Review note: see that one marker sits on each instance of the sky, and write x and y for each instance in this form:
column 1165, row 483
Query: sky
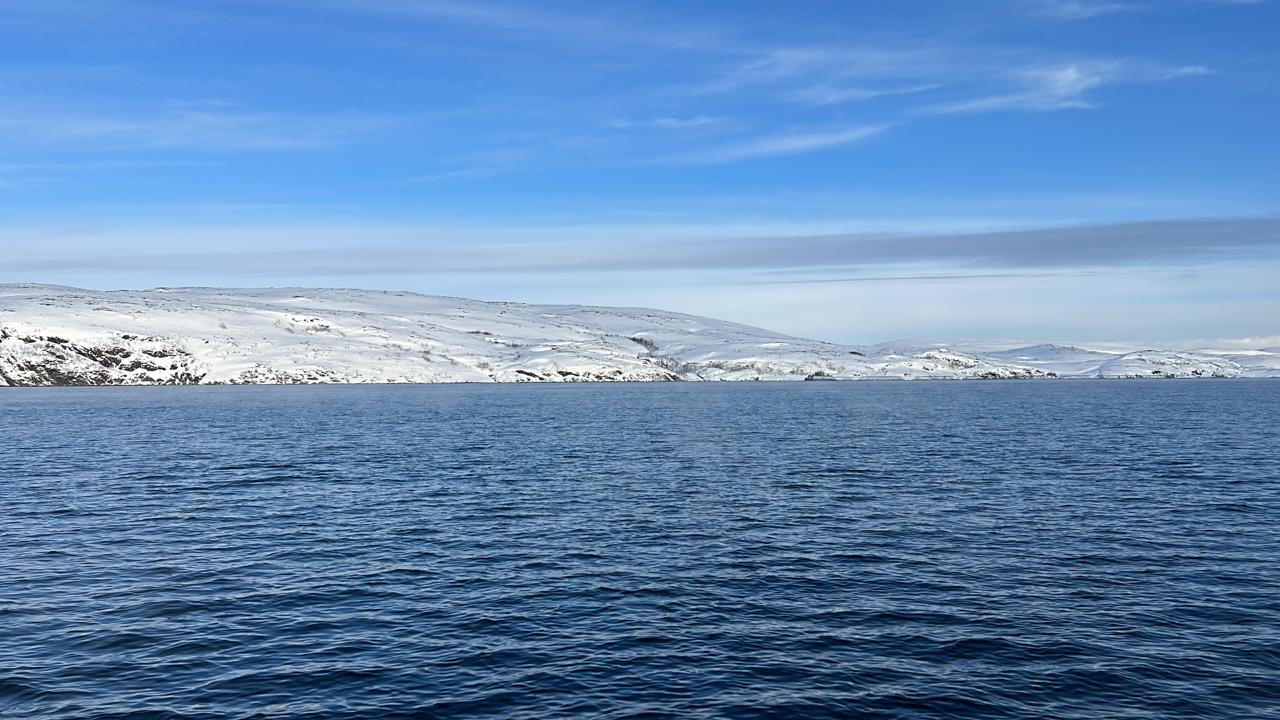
column 850, row 171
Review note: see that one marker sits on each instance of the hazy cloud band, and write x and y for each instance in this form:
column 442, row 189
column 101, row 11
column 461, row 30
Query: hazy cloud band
column 1161, row 243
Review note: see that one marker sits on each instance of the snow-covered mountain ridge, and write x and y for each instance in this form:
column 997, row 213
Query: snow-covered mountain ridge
column 51, row 335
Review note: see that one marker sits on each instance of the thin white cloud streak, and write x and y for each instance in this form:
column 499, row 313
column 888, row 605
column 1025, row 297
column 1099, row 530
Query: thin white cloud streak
column 665, row 123
column 827, row 95
column 597, row 30
column 851, row 62
column 1078, row 9
column 101, row 165
column 187, row 128
column 1070, row 10
column 778, row 145
column 1067, row 86
column 807, row 73
column 999, row 80
column 29, row 174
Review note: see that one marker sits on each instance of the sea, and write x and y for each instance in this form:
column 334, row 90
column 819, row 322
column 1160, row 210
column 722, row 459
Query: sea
column 923, row 549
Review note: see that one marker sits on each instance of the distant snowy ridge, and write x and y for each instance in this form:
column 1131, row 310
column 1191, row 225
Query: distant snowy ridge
column 52, row 335
column 1066, row 361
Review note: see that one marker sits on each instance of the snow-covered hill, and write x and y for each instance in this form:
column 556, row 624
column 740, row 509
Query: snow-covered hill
column 1067, row 361
column 53, row 335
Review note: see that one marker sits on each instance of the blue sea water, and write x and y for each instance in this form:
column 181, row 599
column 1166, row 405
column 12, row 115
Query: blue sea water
column 1053, row 549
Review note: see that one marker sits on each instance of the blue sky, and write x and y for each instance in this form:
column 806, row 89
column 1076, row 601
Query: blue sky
column 853, row 171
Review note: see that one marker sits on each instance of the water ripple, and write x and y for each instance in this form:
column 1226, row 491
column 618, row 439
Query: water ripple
column 879, row 550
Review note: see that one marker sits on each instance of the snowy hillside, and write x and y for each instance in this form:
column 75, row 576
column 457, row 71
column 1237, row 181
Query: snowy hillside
column 1066, row 361
column 64, row 336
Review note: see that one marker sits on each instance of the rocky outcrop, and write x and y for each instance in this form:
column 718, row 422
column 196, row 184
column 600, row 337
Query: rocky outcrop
column 32, row 359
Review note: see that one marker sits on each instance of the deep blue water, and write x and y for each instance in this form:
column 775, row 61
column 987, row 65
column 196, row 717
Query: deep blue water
column 1054, row 549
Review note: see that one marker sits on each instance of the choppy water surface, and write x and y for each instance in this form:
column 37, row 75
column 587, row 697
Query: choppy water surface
column 906, row 550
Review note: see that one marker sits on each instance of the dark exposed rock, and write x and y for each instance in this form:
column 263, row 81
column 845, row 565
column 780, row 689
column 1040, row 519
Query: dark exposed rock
column 124, row 360
column 645, row 343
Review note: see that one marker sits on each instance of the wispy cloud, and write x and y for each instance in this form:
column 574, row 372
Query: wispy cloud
column 524, row 20
column 777, row 145
column 995, row 79
column 1067, row 86
column 201, row 129
column 1077, row 9
column 833, row 95
column 39, row 173
column 1087, row 9
column 815, row 74
column 665, row 123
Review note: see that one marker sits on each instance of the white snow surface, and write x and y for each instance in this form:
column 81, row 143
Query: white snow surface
column 1069, row 361
column 52, row 335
